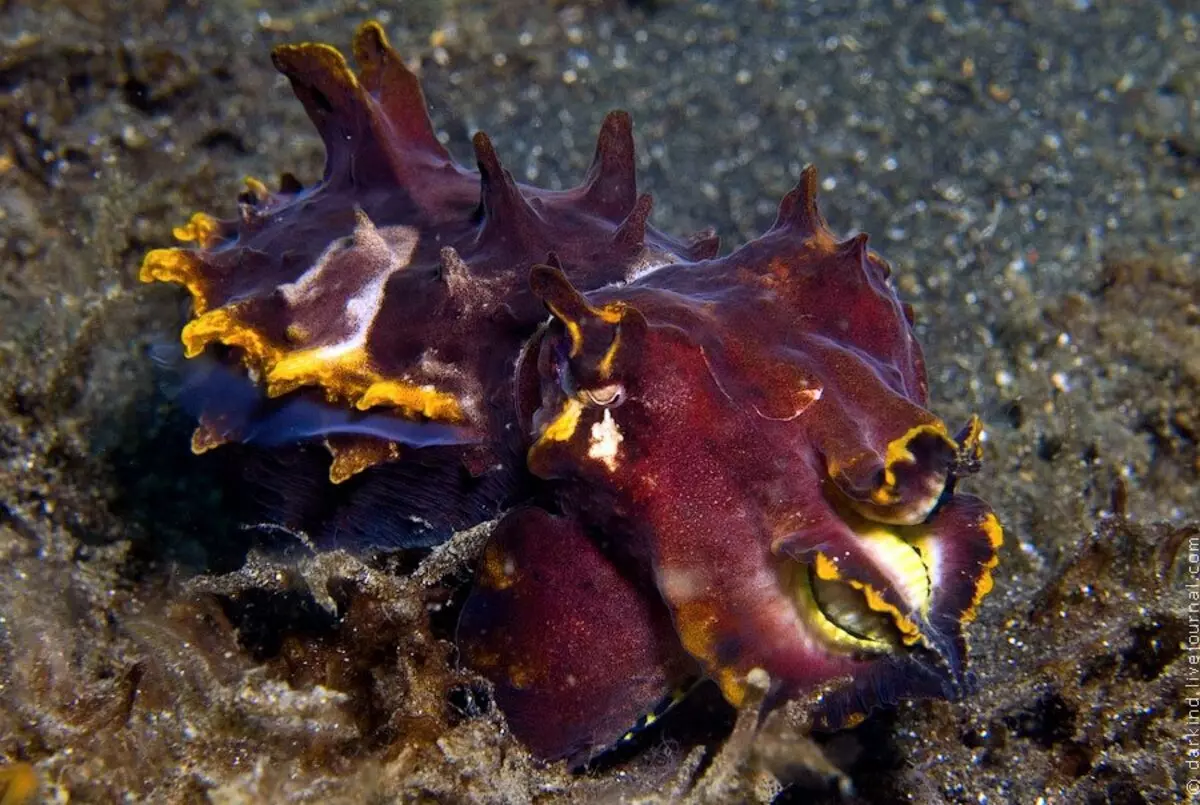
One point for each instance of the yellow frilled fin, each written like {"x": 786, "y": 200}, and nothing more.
{"x": 563, "y": 426}
{"x": 180, "y": 266}
{"x": 225, "y": 327}
{"x": 353, "y": 454}
{"x": 207, "y": 436}
{"x": 201, "y": 229}
{"x": 425, "y": 401}
{"x": 344, "y": 374}
{"x": 336, "y": 370}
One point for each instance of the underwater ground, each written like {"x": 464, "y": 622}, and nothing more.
{"x": 1031, "y": 170}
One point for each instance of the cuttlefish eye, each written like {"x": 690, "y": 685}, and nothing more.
{"x": 578, "y": 378}
{"x": 609, "y": 396}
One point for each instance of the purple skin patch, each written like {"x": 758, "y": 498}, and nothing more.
{"x": 711, "y": 465}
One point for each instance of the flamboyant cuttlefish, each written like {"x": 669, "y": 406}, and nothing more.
{"x": 709, "y": 464}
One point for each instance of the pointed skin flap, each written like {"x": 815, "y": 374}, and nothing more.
{"x": 611, "y": 184}
{"x": 798, "y": 210}
{"x": 385, "y": 76}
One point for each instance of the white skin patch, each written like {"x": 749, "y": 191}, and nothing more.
{"x": 606, "y": 441}
{"x": 682, "y": 584}
{"x": 377, "y": 254}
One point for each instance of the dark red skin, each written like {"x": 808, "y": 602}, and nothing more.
{"x": 771, "y": 417}
{"x": 578, "y": 678}
{"x": 724, "y": 468}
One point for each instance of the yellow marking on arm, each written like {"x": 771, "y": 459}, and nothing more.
{"x": 573, "y": 330}
{"x": 609, "y": 314}
{"x": 898, "y": 452}
{"x": 972, "y": 440}
{"x": 733, "y": 685}
{"x": 910, "y": 632}
{"x": 885, "y": 495}
{"x": 983, "y": 586}
{"x": 827, "y": 569}
{"x": 991, "y": 527}
{"x": 812, "y": 615}
{"x": 696, "y": 624}
{"x": 900, "y": 560}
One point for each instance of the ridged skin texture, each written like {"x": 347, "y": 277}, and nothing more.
{"x": 710, "y": 465}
